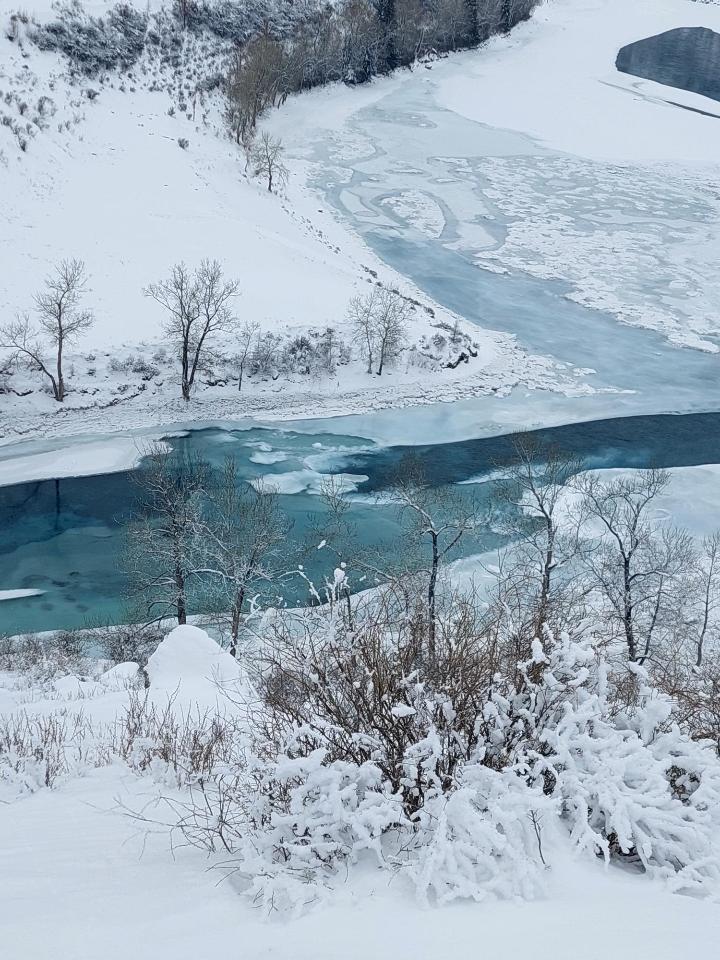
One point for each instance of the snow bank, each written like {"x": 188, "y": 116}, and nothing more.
{"x": 80, "y": 459}
{"x": 19, "y": 594}
{"x": 190, "y": 667}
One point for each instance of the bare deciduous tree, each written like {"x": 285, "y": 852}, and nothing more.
{"x": 378, "y": 320}
{"x": 244, "y": 527}
{"x": 635, "y": 559}
{"x": 248, "y": 336}
{"x": 255, "y": 82}
{"x": 60, "y": 321}
{"x": 438, "y": 515}
{"x": 266, "y": 155}
{"x": 390, "y": 326}
{"x": 198, "y": 308}
{"x": 544, "y": 545}
{"x": 709, "y": 591}
{"x": 163, "y": 553}
{"x": 361, "y": 314}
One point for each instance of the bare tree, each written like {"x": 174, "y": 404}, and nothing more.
{"x": 255, "y": 82}
{"x": 635, "y": 560}
{"x": 361, "y": 314}
{"x": 198, "y": 308}
{"x": 267, "y": 159}
{"x": 60, "y": 321}
{"x": 709, "y": 591}
{"x": 391, "y": 316}
{"x": 244, "y": 528}
{"x": 438, "y": 515}
{"x": 379, "y": 323}
{"x": 248, "y": 336}
{"x": 163, "y": 551}
{"x": 546, "y": 537}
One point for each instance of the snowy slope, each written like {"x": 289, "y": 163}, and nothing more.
{"x": 117, "y": 191}
{"x": 103, "y": 178}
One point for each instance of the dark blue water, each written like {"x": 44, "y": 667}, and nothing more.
{"x": 687, "y": 58}
{"x": 670, "y": 440}
{"x": 66, "y": 537}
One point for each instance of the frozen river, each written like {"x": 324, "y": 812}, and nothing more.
{"x": 429, "y": 191}
{"x": 588, "y": 264}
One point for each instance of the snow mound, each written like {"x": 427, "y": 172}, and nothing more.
{"x": 193, "y": 669}
{"x": 120, "y": 675}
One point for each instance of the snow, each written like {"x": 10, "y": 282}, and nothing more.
{"x": 690, "y": 501}
{"x": 78, "y": 459}
{"x": 165, "y": 204}
{"x": 103, "y": 881}
{"x": 190, "y": 668}
{"x": 19, "y": 594}
{"x": 554, "y": 78}
{"x": 310, "y": 481}
{"x": 102, "y": 864}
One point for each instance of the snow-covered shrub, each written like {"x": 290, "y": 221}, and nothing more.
{"x": 173, "y": 742}
{"x": 42, "y": 657}
{"x": 481, "y": 841}
{"x": 368, "y": 692}
{"x": 93, "y": 44}
{"x": 227, "y": 19}
{"x": 36, "y": 749}
{"x": 632, "y": 786}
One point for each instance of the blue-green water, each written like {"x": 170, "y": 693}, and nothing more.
{"x": 66, "y": 537}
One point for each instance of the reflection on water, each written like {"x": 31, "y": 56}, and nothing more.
{"x": 687, "y": 58}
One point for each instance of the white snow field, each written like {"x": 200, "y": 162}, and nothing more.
{"x": 94, "y": 855}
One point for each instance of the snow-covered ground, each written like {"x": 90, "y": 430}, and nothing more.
{"x": 610, "y": 192}
{"x": 110, "y": 884}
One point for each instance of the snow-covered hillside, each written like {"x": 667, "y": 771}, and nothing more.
{"x": 94, "y": 169}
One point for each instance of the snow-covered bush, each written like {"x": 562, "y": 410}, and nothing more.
{"x": 171, "y": 741}
{"x": 114, "y": 41}
{"x": 480, "y": 841}
{"x": 465, "y": 771}
{"x": 36, "y": 749}
{"x": 653, "y": 800}
{"x": 46, "y": 656}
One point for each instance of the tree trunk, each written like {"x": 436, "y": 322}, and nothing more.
{"x": 628, "y": 613}
{"x": 236, "y": 620}
{"x": 431, "y": 597}
{"x": 234, "y": 630}
{"x": 181, "y": 601}
{"x": 185, "y": 369}
{"x": 59, "y": 385}
{"x": 382, "y": 362}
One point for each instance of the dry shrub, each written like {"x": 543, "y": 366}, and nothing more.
{"x": 189, "y": 745}
{"x": 35, "y": 750}
{"x": 369, "y": 691}
{"x": 41, "y": 657}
